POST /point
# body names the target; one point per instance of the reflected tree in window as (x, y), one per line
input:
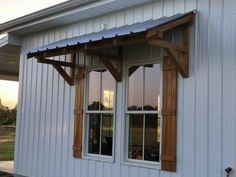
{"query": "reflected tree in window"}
(101, 93)
(144, 98)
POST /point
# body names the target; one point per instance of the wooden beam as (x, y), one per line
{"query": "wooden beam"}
(129, 39)
(64, 74)
(72, 70)
(183, 69)
(171, 25)
(132, 70)
(104, 43)
(114, 72)
(61, 63)
(9, 73)
(106, 61)
(186, 44)
(102, 55)
(119, 65)
(56, 52)
(166, 44)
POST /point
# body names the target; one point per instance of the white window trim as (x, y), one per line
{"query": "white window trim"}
(85, 154)
(124, 151)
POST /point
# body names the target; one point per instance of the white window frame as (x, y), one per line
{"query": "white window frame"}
(85, 153)
(125, 122)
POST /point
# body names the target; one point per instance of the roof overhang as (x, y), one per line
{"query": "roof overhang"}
(65, 13)
(151, 32)
(9, 57)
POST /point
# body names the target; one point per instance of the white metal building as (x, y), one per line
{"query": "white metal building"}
(121, 131)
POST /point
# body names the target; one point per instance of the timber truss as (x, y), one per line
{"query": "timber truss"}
(178, 53)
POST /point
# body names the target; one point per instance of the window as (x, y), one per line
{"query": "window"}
(143, 112)
(100, 112)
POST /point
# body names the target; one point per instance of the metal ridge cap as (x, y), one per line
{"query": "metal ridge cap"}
(44, 13)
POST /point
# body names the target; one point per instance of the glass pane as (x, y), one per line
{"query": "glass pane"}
(94, 133)
(152, 87)
(108, 91)
(94, 90)
(135, 149)
(152, 137)
(135, 88)
(107, 134)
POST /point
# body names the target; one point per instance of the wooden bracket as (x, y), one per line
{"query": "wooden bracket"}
(69, 78)
(103, 55)
(173, 50)
(158, 31)
(105, 58)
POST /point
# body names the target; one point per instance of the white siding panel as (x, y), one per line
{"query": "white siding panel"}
(20, 106)
(48, 114)
(99, 169)
(215, 89)
(37, 114)
(157, 9)
(179, 6)
(138, 15)
(202, 106)
(147, 12)
(229, 86)
(206, 134)
(168, 8)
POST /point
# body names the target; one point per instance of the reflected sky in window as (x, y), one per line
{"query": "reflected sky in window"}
(144, 87)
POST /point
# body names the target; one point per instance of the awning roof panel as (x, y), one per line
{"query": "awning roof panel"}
(111, 33)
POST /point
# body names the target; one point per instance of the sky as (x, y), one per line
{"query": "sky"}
(8, 93)
(9, 10)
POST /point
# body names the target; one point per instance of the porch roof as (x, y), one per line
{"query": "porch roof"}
(151, 31)
(127, 30)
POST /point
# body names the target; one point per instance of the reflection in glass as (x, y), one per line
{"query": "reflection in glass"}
(107, 134)
(152, 87)
(94, 133)
(144, 137)
(135, 90)
(135, 148)
(108, 90)
(94, 90)
(100, 134)
(152, 140)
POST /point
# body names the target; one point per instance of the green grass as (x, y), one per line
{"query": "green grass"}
(7, 143)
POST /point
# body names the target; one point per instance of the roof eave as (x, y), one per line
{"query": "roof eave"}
(61, 14)
(45, 13)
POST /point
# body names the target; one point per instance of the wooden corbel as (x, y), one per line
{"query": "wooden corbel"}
(178, 53)
(173, 50)
(158, 31)
(113, 67)
(58, 65)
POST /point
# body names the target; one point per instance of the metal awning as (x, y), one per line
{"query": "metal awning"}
(151, 31)
(108, 34)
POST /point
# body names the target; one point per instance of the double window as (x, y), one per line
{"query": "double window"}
(142, 112)
(100, 112)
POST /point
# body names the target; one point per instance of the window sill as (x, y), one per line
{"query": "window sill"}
(144, 164)
(101, 158)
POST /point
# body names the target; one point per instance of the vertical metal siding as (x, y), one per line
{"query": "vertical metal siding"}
(206, 137)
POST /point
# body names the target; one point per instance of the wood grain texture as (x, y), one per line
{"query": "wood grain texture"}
(168, 154)
(78, 114)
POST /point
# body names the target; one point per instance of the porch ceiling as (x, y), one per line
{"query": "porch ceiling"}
(9, 60)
